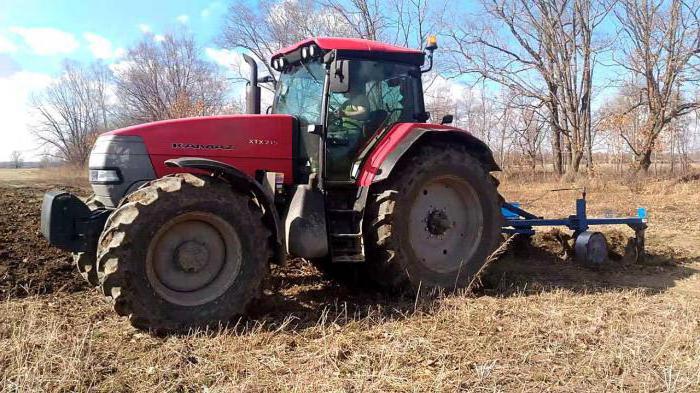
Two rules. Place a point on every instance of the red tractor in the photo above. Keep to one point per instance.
(344, 170)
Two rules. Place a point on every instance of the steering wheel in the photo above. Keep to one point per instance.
(338, 122)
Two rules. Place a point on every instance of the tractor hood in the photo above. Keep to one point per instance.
(251, 136)
(248, 142)
(138, 153)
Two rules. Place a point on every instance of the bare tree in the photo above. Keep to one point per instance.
(542, 49)
(529, 129)
(401, 22)
(662, 48)
(366, 18)
(167, 80)
(72, 111)
(272, 25)
(411, 21)
(16, 159)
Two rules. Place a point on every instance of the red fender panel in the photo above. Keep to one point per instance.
(397, 140)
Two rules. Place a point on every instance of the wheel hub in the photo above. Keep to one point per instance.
(191, 256)
(437, 222)
(445, 223)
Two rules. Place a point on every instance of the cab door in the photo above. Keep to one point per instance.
(380, 94)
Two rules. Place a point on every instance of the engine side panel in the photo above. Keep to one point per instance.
(129, 156)
(246, 142)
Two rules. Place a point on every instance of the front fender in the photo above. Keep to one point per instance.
(399, 140)
(240, 180)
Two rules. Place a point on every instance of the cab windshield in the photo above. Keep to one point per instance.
(299, 92)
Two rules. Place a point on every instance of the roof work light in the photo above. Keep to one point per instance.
(432, 43)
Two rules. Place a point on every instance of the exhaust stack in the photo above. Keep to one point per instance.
(252, 90)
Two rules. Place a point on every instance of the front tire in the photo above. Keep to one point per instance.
(183, 252)
(86, 262)
(434, 222)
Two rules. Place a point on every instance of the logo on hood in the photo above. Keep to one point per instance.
(201, 146)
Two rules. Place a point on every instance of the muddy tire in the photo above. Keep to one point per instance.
(86, 262)
(434, 222)
(183, 252)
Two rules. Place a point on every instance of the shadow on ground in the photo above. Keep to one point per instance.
(300, 297)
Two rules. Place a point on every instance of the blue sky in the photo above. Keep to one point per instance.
(36, 36)
(120, 22)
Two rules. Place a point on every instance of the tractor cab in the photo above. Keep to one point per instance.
(343, 92)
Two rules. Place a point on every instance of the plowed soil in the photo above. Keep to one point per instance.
(540, 322)
(28, 265)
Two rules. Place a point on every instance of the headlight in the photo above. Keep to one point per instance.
(304, 52)
(312, 50)
(105, 176)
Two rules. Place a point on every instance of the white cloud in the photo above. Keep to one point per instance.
(6, 46)
(158, 38)
(215, 7)
(121, 66)
(439, 87)
(145, 28)
(227, 58)
(17, 114)
(119, 52)
(184, 19)
(101, 47)
(45, 41)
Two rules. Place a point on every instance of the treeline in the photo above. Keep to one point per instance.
(154, 81)
(560, 84)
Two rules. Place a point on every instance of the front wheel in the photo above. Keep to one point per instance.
(86, 261)
(434, 222)
(183, 252)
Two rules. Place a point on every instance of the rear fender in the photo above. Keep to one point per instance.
(404, 137)
(240, 180)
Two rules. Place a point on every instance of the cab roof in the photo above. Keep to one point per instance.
(351, 44)
(357, 46)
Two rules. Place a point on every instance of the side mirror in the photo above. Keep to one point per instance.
(447, 119)
(315, 129)
(340, 76)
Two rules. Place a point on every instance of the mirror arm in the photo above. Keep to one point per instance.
(430, 63)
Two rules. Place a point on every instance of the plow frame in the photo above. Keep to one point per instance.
(522, 222)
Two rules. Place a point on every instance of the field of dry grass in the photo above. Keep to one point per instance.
(539, 323)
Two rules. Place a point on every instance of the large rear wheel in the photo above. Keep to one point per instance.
(183, 252)
(434, 222)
